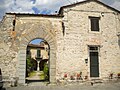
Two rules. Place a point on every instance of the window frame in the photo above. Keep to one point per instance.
(38, 53)
(93, 23)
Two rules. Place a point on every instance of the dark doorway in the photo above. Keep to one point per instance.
(94, 61)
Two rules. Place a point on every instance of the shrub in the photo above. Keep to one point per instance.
(29, 65)
(46, 71)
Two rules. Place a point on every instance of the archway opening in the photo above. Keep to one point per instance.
(37, 61)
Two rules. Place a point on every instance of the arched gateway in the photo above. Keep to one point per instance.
(41, 30)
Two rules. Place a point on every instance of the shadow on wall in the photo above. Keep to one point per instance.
(119, 40)
(3, 89)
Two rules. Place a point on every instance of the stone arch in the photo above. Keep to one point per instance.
(42, 33)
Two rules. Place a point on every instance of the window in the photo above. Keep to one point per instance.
(93, 48)
(94, 23)
(38, 53)
(14, 25)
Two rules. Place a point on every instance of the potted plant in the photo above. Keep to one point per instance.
(111, 75)
(65, 75)
(72, 77)
(118, 75)
(86, 77)
(78, 76)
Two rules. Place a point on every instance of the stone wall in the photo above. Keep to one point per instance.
(68, 37)
(8, 47)
(78, 36)
(13, 42)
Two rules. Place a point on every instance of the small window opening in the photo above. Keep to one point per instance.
(63, 26)
(38, 53)
(14, 25)
(94, 23)
(93, 48)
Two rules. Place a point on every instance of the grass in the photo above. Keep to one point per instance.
(42, 76)
(31, 74)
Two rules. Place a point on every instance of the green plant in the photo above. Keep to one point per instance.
(31, 74)
(30, 65)
(46, 71)
(42, 76)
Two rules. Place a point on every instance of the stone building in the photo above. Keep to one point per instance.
(83, 37)
(41, 49)
(39, 53)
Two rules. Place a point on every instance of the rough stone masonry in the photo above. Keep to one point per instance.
(70, 38)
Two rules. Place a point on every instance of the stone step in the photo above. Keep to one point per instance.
(37, 84)
(95, 81)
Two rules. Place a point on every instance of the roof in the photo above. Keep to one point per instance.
(32, 14)
(35, 46)
(86, 1)
(44, 42)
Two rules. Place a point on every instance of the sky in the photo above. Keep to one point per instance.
(36, 41)
(41, 6)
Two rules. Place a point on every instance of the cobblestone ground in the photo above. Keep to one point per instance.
(88, 86)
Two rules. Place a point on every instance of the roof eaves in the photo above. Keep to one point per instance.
(86, 1)
(35, 46)
(42, 15)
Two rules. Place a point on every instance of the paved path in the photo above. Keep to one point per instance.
(36, 76)
(37, 79)
(102, 86)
